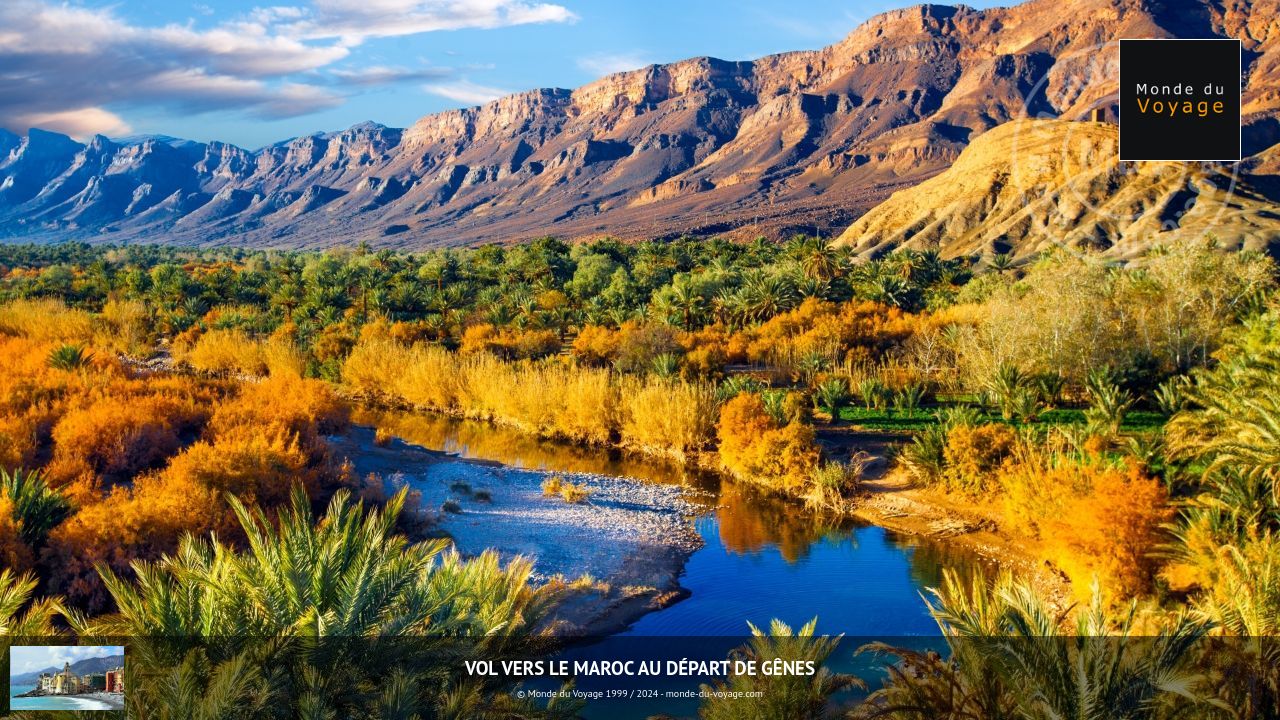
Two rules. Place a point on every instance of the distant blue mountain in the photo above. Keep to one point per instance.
(88, 666)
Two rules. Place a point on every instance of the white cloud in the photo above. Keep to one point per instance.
(384, 75)
(30, 658)
(73, 67)
(465, 91)
(355, 20)
(609, 63)
(77, 67)
(79, 123)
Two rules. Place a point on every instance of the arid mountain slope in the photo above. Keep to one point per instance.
(1031, 184)
(797, 141)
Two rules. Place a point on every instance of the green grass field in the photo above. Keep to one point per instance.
(892, 420)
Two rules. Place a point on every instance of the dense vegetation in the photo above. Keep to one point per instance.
(1118, 422)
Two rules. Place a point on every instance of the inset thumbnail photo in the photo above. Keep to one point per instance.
(66, 677)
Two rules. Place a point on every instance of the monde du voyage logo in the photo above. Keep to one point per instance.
(1180, 100)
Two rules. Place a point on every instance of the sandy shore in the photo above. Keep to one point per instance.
(630, 537)
(888, 499)
(89, 701)
(892, 503)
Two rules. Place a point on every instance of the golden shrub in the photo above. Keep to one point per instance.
(552, 486)
(129, 524)
(282, 357)
(974, 452)
(1035, 493)
(544, 398)
(509, 343)
(224, 351)
(124, 326)
(589, 406)
(1112, 532)
(114, 438)
(481, 337)
(257, 444)
(258, 467)
(430, 378)
(667, 418)
(753, 447)
(533, 344)
(595, 345)
(303, 409)
(707, 351)
(19, 437)
(705, 360)
(14, 553)
(45, 320)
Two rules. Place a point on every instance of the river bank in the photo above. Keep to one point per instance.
(886, 497)
(893, 503)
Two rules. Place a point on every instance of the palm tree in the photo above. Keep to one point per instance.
(1243, 602)
(196, 689)
(793, 697)
(1236, 420)
(1001, 262)
(20, 615)
(1010, 658)
(69, 357)
(819, 259)
(830, 395)
(1108, 402)
(36, 506)
(766, 295)
(327, 609)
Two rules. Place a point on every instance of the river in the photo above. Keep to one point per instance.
(761, 558)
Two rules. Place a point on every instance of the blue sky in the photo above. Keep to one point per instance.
(252, 73)
(29, 658)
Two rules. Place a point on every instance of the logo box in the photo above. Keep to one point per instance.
(1180, 100)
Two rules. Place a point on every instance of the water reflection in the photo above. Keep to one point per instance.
(745, 521)
(748, 520)
(482, 441)
(763, 558)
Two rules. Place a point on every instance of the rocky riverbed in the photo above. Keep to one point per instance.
(630, 537)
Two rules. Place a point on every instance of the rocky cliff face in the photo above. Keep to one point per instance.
(1031, 185)
(797, 141)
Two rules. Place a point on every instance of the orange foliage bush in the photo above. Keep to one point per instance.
(20, 437)
(509, 343)
(707, 351)
(104, 422)
(481, 337)
(257, 444)
(1111, 532)
(595, 346)
(14, 553)
(753, 447)
(852, 331)
(223, 351)
(974, 452)
(287, 406)
(255, 466)
(127, 525)
(114, 438)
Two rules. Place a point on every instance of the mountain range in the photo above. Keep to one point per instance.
(803, 141)
(88, 666)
